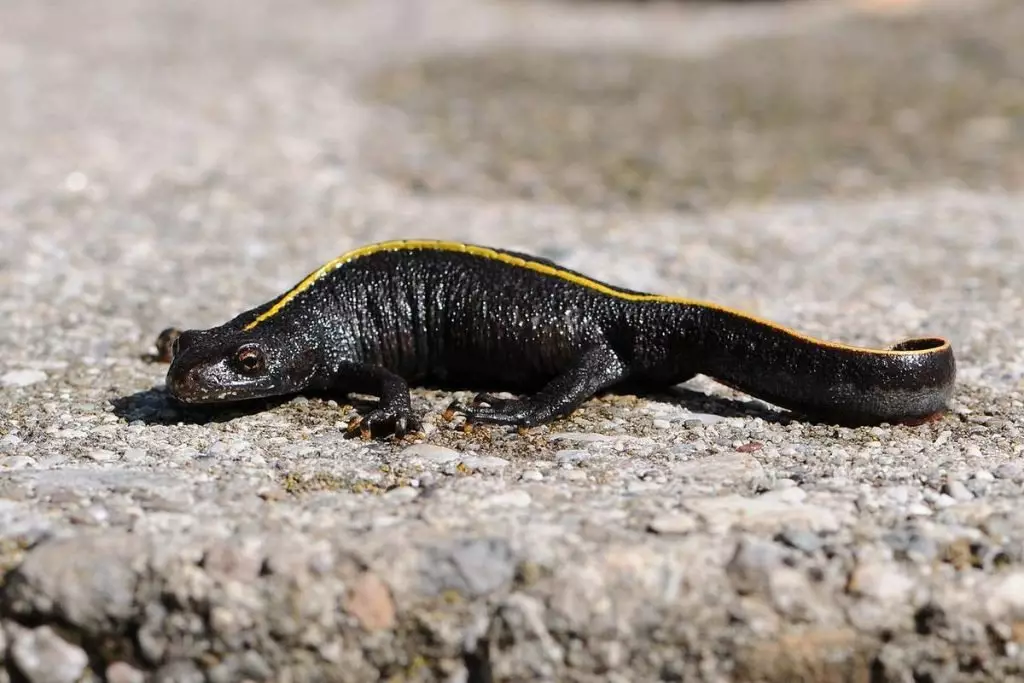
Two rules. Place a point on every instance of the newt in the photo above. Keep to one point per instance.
(384, 316)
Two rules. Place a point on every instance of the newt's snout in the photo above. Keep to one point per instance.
(210, 384)
(184, 386)
(197, 373)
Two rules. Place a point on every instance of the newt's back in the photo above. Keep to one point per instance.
(468, 317)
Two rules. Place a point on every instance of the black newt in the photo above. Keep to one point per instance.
(378, 318)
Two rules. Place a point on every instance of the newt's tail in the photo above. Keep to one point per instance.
(907, 382)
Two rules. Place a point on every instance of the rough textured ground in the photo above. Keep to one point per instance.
(856, 176)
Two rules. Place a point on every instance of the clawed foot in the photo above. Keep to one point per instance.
(489, 409)
(383, 421)
(484, 409)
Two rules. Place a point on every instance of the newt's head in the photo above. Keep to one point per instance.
(223, 364)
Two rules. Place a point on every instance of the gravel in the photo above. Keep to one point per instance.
(167, 167)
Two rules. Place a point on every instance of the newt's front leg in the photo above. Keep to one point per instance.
(393, 413)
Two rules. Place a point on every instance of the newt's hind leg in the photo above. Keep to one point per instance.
(598, 368)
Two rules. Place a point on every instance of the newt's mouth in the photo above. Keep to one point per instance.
(216, 384)
(189, 387)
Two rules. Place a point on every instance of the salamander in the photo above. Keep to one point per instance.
(384, 316)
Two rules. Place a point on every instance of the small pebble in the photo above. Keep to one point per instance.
(435, 454)
(484, 463)
(94, 514)
(402, 494)
(22, 378)
(51, 461)
(800, 539)
(120, 672)
(957, 491)
(919, 510)
(18, 462)
(1014, 471)
(134, 455)
(700, 419)
(922, 549)
(44, 657)
(218, 449)
(673, 523)
(880, 581)
(911, 544)
(789, 495)
(752, 564)
(899, 495)
(571, 456)
(272, 493)
(101, 455)
(978, 487)
(531, 475)
(866, 502)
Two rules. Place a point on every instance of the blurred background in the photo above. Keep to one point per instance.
(689, 105)
(675, 105)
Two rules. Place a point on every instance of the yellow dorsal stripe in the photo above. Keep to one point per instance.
(553, 271)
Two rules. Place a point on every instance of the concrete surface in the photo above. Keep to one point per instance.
(858, 176)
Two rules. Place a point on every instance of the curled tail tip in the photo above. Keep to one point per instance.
(922, 344)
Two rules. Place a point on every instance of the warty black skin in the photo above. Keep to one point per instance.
(422, 312)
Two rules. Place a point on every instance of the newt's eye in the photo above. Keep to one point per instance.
(249, 359)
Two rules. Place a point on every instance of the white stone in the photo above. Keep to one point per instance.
(22, 378)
